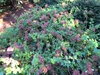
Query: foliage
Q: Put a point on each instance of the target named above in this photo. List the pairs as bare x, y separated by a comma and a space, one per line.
8, 5
3, 2
51, 41
85, 10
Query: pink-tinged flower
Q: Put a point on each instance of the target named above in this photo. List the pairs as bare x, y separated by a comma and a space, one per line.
45, 24
75, 72
63, 22
46, 18
31, 31
70, 15
48, 66
69, 27
62, 28
26, 32
48, 14
26, 37
21, 21
41, 60
85, 11
20, 34
66, 13
29, 28
17, 46
46, 5
63, 5
58, 53
20, 27
93, 29
28, 21
73, 39
30, 15
43, 69
91, 12
38, 44
43, 17
61, 13
60, 16
56, 15
77, 37
5, 55
88, 68
40, 8
95, 57
53, 34
54, 12
39, 72
42, 26
43, 32
76, 21
63, 48
89, 71
54, 19
10, 50
69, 32
83, 73
88, 65
85, 22
59, 36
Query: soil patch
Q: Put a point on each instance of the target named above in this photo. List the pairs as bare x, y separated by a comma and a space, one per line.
8, 18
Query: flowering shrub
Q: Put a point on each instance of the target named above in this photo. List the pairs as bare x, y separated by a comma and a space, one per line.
50, 41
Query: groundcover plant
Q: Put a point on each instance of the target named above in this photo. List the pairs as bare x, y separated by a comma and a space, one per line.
50, 41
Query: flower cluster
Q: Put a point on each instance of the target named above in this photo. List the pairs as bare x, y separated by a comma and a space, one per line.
89, 68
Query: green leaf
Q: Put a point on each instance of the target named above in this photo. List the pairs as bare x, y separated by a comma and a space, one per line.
84, 37
35, 60
93, 43
97, 26
53, 60
97, 51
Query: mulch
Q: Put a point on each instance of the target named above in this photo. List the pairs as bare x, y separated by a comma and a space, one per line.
8, 18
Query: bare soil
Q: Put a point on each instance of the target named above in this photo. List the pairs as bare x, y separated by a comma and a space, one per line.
7, 19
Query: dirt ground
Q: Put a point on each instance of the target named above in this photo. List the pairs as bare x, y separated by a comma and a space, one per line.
7, 18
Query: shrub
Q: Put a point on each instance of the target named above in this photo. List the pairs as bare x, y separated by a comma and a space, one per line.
84, 10
50, 41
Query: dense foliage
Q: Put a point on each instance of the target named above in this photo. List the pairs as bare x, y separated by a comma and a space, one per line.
51, 41
84, 10
8, 5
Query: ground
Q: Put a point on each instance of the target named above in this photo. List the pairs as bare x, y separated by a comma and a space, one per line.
8, 18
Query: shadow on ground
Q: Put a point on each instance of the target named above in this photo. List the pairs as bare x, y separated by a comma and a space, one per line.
7, 18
